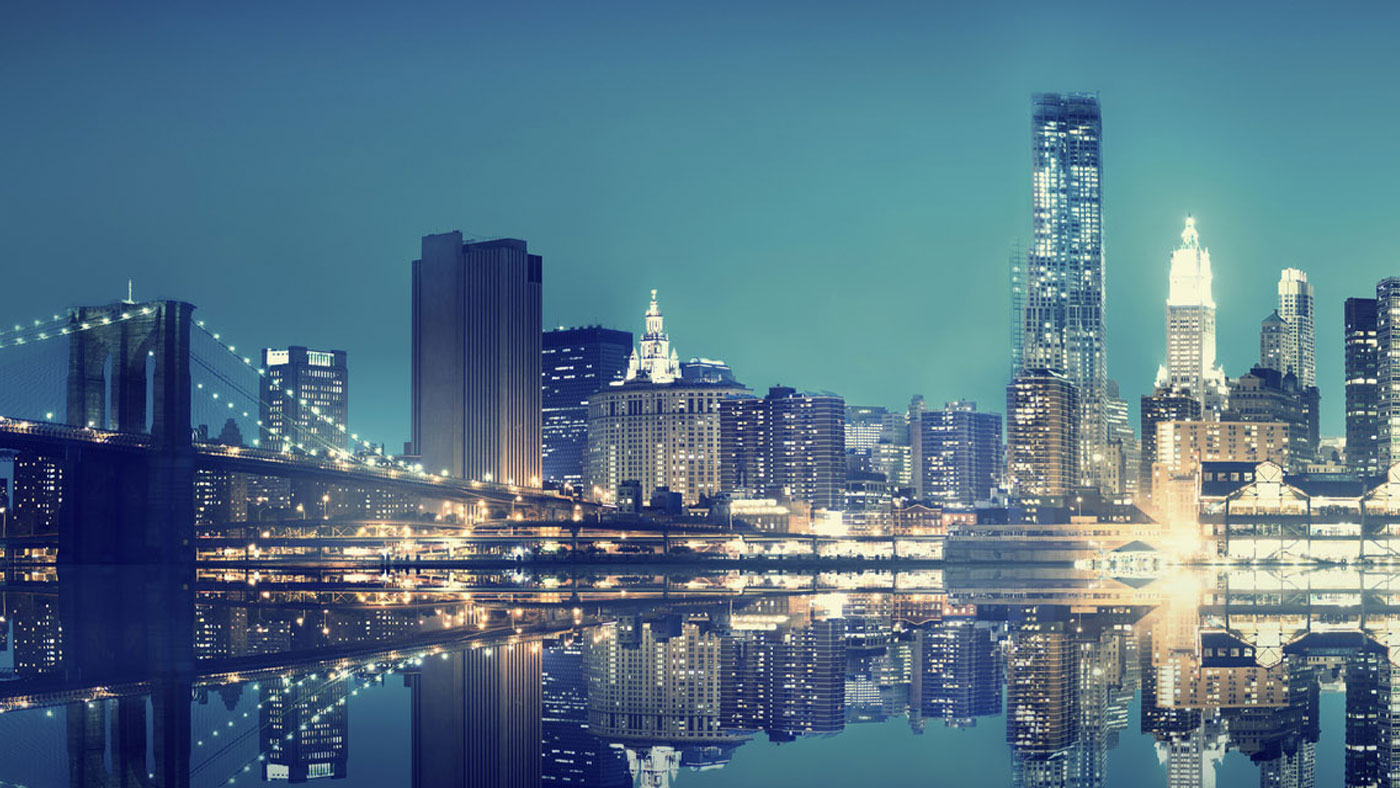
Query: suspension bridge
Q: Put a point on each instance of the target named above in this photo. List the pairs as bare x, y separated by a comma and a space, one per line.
128, 423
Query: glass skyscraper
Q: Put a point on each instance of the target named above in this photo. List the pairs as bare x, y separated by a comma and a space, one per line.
1062, 317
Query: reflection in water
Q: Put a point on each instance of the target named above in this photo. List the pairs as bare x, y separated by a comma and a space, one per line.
141, 678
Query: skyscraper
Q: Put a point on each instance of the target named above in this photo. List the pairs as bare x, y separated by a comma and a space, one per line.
1388, 371
476, 359
305, 400
1191, 326
1295, 307
1042, 442
962, 454
786, 443
1273, 339
1362, 391
577, 362
1063, 316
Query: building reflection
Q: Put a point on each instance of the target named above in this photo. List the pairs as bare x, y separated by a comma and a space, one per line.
212, 678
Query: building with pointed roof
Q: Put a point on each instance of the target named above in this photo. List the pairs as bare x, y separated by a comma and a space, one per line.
1191, 365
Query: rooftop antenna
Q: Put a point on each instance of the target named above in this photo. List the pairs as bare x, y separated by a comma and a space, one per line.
128, 292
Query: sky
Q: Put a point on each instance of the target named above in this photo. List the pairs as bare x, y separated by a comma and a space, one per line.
823, 193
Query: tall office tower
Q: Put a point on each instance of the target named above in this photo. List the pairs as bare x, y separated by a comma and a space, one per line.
1162, 405
576, 363
1042, 439
1273, 342
656, 428
305, 729
1388, 371
785, 444
1017, 282
476, 717
1362, 391
476, 359
1124, 450
1295, 307
1191, 327
1063, 319
305, 400
962, 454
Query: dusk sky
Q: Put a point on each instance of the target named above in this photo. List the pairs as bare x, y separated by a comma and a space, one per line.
823, 193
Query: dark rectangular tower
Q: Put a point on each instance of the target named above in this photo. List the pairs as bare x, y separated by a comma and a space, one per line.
476, 359
577, 363
1362, 391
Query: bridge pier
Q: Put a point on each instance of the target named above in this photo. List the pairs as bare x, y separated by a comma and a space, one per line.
127, 508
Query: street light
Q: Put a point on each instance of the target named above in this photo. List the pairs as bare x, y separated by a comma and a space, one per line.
325, 506
301, 510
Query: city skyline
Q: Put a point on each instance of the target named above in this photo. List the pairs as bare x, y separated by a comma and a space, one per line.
1172, 147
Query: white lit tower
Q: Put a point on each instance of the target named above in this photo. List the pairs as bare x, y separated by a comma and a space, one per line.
1295, 306
1191, 363
656, 362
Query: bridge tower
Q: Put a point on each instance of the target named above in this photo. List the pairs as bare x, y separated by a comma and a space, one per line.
129, 336
118, 508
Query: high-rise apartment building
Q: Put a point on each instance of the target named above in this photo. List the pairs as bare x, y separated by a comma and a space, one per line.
1362, 390
476, 359
1191, 326
305, 400
576, 363
1295, 307
787, 443
1063, 314
962, 455
656, 428
1042, 441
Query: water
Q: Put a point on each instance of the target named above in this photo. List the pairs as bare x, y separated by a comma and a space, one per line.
947, 677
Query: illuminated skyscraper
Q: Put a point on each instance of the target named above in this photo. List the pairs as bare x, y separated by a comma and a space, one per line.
1362, 392
1388, 371
1041, 434
1063, 315
1295, 307
787, 443
305, 400
961, 454
1191, 327
476, 359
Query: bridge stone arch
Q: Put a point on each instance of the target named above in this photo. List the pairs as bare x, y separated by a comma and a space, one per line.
128, 334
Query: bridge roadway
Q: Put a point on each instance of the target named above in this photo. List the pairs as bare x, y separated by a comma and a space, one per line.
52, 439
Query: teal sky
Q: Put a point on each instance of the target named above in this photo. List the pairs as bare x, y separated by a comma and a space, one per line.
823, 193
